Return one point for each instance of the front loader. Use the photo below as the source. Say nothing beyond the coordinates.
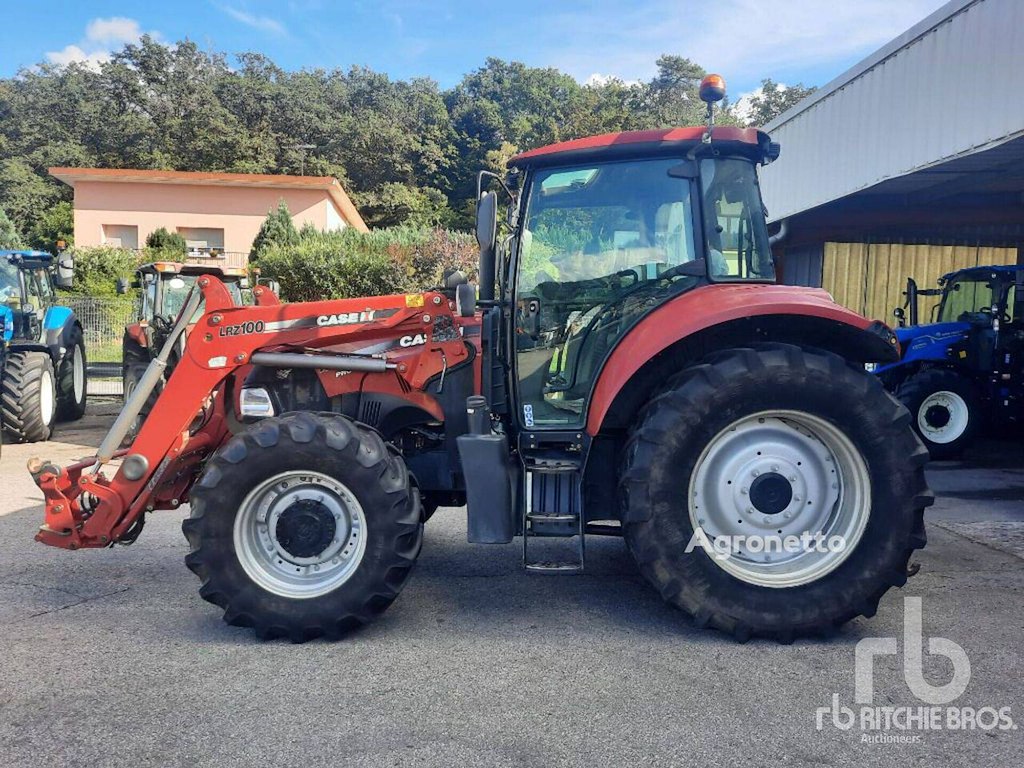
(626, 367)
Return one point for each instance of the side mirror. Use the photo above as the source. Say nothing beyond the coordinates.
(65, 276)
(486, 234)
(269, 283)
(900, 315)
(121, 286)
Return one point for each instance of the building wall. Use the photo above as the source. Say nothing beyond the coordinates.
(946, 88)
(870, 278)
(237, 210)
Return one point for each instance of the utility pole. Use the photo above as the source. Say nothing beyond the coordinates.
(302, 158)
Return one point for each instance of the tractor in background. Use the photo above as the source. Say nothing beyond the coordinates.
(627, 367)
(164, 287)
(964, 370)
(44, 379)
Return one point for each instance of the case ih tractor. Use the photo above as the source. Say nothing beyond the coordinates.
(165, 288)
(626, 367)
(966, 367)
(44, 379)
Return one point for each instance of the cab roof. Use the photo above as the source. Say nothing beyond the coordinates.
(18, 256)
(643, 143)
(1005, 271)
(178, 268)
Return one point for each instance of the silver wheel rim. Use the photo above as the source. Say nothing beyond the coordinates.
(77, 374)
(265, 558)
(954, 421)
(830, 496)
(46, 397)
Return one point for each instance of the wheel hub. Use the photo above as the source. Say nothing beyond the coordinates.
(306, 528)
(773, 476)
(300, 534)
(771, 493)
(937, 416)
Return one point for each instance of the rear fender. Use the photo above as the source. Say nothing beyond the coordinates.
(697, 323)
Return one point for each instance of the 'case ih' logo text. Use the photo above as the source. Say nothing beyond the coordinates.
(345, 318)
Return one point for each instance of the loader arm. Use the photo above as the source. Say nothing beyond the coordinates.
(190, 419)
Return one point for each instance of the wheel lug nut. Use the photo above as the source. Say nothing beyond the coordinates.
(775, 467)
(792, 479)
(756, 472)
(766, 519)
(743, 490)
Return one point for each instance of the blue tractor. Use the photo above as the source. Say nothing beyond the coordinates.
(44, 375)
(963, 370)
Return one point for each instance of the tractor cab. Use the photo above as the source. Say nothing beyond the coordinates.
(44, 378)
(165, 287)
(966, 366)
(611, 228)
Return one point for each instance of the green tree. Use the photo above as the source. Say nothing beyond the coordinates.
(9, 237)
(773, 100)
(53, 224)
(170, 242)
(277, 229)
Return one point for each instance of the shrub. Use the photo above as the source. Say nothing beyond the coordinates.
(9, 237)
(349, 263)
(277, 229)
(97, 269)
(162, 240)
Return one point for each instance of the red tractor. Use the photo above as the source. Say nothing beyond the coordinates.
(626, 367)
(164, 288)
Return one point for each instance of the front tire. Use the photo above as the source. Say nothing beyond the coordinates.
(71, 381)
(305, 525)
(28, 397)
(756, 444)
(946, 411)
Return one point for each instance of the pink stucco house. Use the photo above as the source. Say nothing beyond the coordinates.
(221, 211)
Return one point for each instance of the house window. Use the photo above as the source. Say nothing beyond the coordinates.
(202, 239)
(121, 235)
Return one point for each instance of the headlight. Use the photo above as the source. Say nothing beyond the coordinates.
(255, 402)
(870, 367)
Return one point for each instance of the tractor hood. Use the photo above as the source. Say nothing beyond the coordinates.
(929, 342)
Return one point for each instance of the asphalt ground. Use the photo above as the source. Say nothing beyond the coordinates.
(109, 657)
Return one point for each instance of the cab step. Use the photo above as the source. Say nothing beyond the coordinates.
(554, 510)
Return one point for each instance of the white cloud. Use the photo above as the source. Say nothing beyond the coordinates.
(744, 40)
(102, 36)
(263, 23)
(112, 31)
(597, 79)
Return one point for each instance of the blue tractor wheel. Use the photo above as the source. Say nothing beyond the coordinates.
(28, 396)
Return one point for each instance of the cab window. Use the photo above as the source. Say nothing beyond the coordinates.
(734, 225)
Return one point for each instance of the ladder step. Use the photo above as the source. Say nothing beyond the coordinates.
(553, 567)
(544, 517)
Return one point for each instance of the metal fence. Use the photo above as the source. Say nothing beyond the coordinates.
(103, 323)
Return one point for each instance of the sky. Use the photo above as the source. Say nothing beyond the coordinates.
(790, 41)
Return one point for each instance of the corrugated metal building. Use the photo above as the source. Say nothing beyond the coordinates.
(911, 163)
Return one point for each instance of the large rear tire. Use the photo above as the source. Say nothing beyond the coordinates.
(945, 409)
(305, 525)
(71, 380)
(766, 443)
(28, 397)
